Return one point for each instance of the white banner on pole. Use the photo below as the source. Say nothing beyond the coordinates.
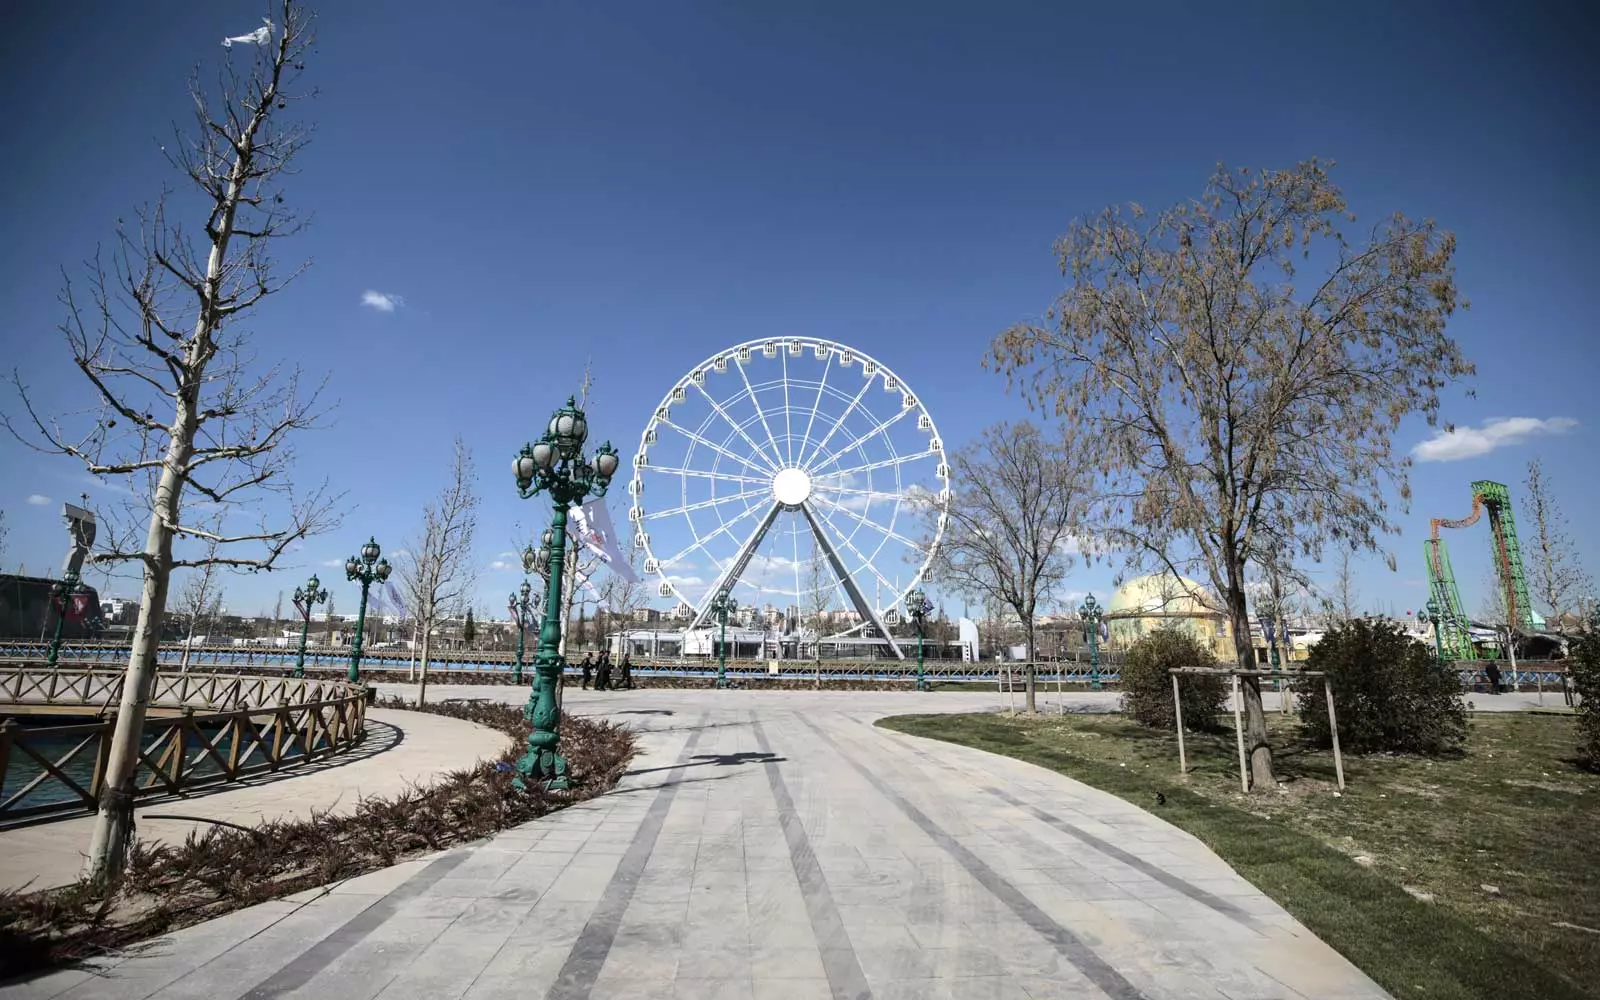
(595, 533)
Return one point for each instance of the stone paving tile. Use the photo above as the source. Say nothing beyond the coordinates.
(875, 862)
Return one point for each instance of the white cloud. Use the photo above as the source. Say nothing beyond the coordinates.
(500, 566)
(332, 563)
(386, 302)
(38, 499)
(687, 581)
(400, 553)
(1470, 442)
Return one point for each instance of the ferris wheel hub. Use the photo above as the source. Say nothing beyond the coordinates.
(791, 487)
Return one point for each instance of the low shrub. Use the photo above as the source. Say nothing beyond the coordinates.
(169, 886)
(1147, 687)
(1585, 666)
(1390, 692)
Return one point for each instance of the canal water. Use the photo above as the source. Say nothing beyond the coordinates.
(22, 769)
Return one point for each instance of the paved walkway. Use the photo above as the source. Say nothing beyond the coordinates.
(772, 845)
(401, 749)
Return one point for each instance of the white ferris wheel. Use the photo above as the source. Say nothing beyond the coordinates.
(795, 472)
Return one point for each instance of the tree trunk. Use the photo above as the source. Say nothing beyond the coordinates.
(1032, 674)
(1255, 737)
(108, 849)
(422, 689)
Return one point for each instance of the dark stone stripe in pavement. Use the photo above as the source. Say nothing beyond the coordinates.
(1067, 944)
(350, 933)
(839, 961)
(589, 952)
(1133, 861)
(1109, 849)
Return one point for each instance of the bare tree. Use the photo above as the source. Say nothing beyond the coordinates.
(4, 531)
(1011, 525)
(819, 583)
(1555, 574)
(440, 573)
(277, 613)
(1227, 396)
(200, 599)
(181, 407)
(620, 596)
(1340, 600)
(328, 619)
(1277, 595)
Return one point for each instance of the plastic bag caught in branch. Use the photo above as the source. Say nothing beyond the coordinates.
(260, 36)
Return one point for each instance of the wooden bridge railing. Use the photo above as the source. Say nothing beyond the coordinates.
(226, 729)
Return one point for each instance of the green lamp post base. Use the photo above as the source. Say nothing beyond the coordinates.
(541, 764)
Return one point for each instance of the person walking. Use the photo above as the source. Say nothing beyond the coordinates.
(1492, 674)
(588, 669)
(626, 680)
(602, 672)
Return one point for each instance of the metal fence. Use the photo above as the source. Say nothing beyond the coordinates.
(1075, 670)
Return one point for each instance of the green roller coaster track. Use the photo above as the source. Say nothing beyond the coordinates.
(1506, 552)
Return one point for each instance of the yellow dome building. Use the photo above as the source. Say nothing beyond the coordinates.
(1162, 600)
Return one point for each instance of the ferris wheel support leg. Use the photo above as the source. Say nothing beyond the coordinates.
(866, 610)
(735, 569)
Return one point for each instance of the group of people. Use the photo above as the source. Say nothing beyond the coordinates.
(600, 672)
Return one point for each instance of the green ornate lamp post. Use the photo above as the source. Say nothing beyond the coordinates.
(522, 608)
(61, 594)
(918, 606)
(1091, 613)
(304, 598)
(555, 465)
(1429, 615)
(722, 606)
(367, 569)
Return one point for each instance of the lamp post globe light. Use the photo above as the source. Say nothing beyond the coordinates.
(554, 465)
(522, 608)
(1429, 615)
(918, 606)
(367, 569)
(312, 593)
(722, 606)
(61, 594)
(1091, 613)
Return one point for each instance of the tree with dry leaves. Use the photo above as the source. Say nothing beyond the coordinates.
(1232, 397)
(439, 571)
(1555, 574)
(182, 412)
(1012, 525)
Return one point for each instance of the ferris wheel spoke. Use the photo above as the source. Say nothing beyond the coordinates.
(726, 477)
(734, 424)
(875, 526)
(788, 421)
(874, 494)
(700, 543)
(865, 388)
(869, 435)
(816, 404)
(817, 526)
(881, 464)
(756, 402)
(794, 536)
(703, 504)
(696, 438)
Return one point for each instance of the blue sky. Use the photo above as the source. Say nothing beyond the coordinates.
(645, 184)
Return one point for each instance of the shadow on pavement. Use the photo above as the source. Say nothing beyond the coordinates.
(720, 759)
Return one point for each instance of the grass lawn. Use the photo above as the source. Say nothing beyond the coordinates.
(1500, 837)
